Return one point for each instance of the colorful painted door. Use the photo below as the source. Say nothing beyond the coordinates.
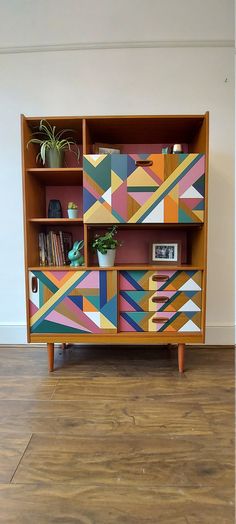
(73, 301)
(174, 306)
(142, 188)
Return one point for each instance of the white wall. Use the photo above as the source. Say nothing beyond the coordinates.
(119, 81)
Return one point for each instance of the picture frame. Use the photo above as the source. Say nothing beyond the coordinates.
(105, 149)
(166, 253)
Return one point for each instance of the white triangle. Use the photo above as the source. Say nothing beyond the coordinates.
(107, 196)
(189, 306)
(190, 326)
(156, 215)
(190, 285)
(94, 316)
(191, 192)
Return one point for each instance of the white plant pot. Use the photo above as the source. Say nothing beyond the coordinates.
(73, 213)
(108, 259)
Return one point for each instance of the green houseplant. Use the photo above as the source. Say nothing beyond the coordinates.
(106, 247)
(72, 210)
(52, 144)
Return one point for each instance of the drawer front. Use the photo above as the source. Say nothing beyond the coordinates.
(73, 301)
(180, 280)
(169, 322)
(185, 301)
(141, 188)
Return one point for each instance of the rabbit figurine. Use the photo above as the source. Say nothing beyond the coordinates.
(75, 256)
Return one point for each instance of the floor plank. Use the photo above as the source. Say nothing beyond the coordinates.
(116, 436)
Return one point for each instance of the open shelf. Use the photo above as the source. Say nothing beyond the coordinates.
(63, 176)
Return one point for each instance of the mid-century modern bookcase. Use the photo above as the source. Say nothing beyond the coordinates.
(151, 197)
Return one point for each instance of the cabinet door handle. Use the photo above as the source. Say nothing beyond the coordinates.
(159, 278)
(159, 299)
(34, 284)
(159, 320)
(143, 163)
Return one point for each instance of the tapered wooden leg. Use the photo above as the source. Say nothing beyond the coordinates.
(181, 348)
(50, 357)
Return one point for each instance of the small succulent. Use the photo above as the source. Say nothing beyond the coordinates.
(105, 242)
(72, 205)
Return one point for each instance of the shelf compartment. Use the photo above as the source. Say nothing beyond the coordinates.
(58, 177)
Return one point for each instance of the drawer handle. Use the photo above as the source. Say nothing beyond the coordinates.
(34, 284)
(159, 278)
(159, 320)
(143, 163)
(159, 299)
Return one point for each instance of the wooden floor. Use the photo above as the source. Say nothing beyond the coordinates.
(116, 435)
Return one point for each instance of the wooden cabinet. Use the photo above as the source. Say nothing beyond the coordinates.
(151, 197)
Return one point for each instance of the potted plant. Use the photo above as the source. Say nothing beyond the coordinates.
(52, 145)
(72, 210)
(106, 247)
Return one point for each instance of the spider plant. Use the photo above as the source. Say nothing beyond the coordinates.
(51, 142)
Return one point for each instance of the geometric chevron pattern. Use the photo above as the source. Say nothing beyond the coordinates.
(187, 322)
(176, 301)
(74, 302)
(118, 190)
(181, 280)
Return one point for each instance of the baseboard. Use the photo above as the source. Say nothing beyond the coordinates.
(215, 335)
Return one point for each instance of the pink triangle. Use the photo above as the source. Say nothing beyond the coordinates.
(124, 326)
(54, 316)
(140, 197)
(191, 203)
(125, 306)
(119, 200)
(33, 308)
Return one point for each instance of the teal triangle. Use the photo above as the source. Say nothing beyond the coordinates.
(52, 327)
(200, 206)
(101, 174)
(109, 310)
(190, 294)
(95, 300)
(137, 316)
(200, 185)
(136, 295)
(119, 165)
(183, 217)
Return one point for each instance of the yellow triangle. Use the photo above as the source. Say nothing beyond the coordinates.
(115, 181)
(139, 177)
(105, 323)
(98, 214)
(95, 160)
(199, 214)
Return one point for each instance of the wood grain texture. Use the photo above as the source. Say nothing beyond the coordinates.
(117, 438)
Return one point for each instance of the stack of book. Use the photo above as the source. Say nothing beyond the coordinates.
(54, 247)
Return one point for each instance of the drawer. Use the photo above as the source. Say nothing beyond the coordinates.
(169, 322)
(166, 280)
(160, 301)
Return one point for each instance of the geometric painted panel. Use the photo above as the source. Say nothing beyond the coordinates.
(74, 302)
(167, 301)
(117, 189)
(170, 322)
(160, 301)
(166, 280)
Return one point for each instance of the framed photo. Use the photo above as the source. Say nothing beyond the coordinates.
(105, 149)
(166, 253)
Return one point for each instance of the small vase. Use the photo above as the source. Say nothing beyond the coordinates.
(108, 259)
(54, 158)
(73, 213)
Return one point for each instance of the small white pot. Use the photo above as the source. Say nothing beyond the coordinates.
(108, 259)
(73, 213)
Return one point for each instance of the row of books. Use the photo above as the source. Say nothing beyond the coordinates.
(54, 247)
